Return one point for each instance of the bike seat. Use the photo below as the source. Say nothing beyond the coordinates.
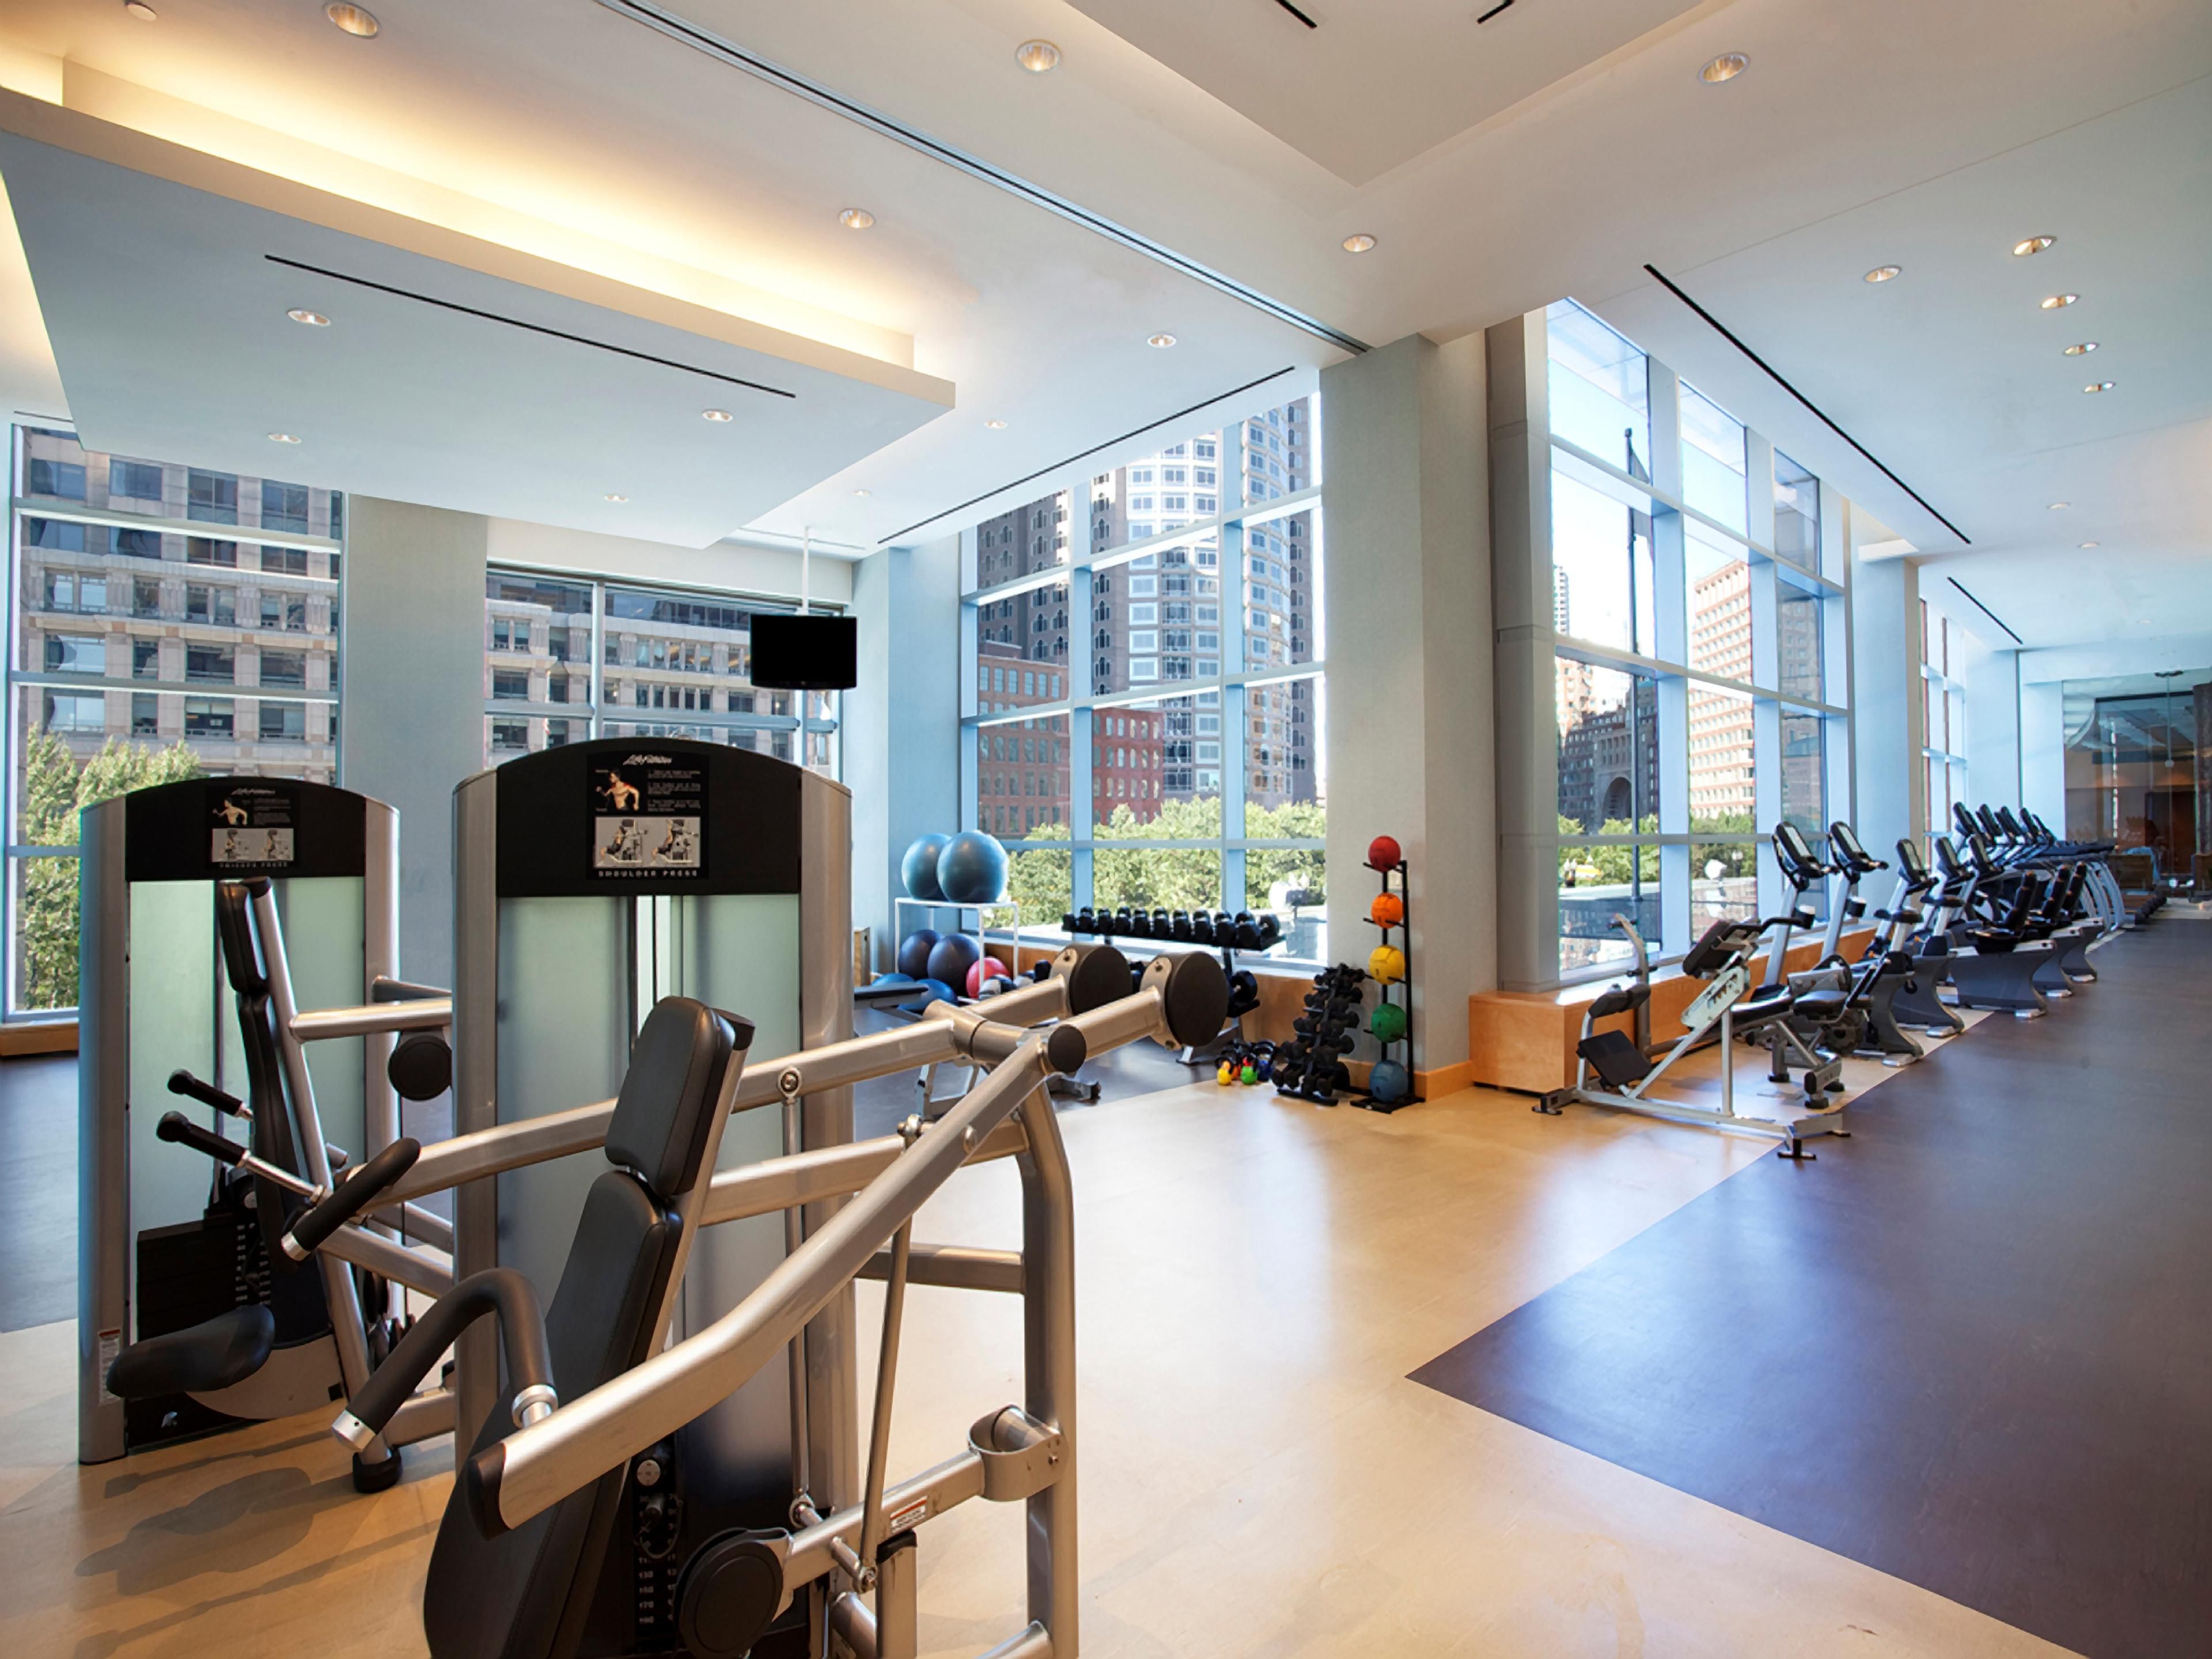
(210, 1355)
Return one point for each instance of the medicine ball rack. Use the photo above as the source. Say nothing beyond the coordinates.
(1400, 933)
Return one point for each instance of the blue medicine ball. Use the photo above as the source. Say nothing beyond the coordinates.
(952, 958)
(972, 868)
(919, 867)
(914, 951)
(1387, 1082)
(931, 990)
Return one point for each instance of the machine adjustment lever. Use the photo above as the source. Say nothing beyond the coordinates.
(176, 1127)
(184, 1083)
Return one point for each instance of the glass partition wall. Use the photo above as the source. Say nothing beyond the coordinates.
(1143, 686)
(1690, 581)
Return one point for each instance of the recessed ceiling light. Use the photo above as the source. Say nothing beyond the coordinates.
(2054, 301)
(2060, 507)
(2081, 350)
(2100, 385)
(2029, 245)
(1037, 57)
(1726, 67)
(1359, 242)
(2088, 545)
(282, 438)
(717, 415)
(354, 20)
(860, 492)
(312, 318)
(141, 11)
(996, 426)
(1885, 273)
(618, 500)
(856, 218)
(1161, 341)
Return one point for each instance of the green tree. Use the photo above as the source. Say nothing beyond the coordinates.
(55, 790)
(1040, 880)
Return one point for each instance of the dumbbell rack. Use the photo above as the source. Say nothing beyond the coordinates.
(1402, 929)
(1313, 1072)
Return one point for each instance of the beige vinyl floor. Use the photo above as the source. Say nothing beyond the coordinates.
(1255, 1278)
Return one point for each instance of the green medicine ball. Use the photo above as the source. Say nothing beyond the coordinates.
(1388, 1022)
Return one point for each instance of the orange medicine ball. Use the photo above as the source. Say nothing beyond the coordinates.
(1389, 910)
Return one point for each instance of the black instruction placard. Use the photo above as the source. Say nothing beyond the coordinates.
(253, 827)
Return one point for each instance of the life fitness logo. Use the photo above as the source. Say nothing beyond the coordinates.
(648, 760)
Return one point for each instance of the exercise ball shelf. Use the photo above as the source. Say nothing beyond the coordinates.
(1390, 965)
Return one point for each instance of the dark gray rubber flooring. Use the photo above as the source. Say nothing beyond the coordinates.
(1970, 1346)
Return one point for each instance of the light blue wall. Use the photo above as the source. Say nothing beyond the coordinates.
(411, 710)
(901, 724)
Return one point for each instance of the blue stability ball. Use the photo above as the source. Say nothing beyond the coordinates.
(930, 990)
(919, 867)
(914, 951)
(1387, 1082)
(972, 868)
(952, 958)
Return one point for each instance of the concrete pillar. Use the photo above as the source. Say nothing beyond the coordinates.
(1411, 727)
(901, 733)
(411, 722)
(1885, 708)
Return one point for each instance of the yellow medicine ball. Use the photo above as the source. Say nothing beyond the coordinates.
(1388, 963)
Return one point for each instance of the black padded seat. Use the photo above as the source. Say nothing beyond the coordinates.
(1766, 1003)
(210, 1355)
(1821, 1004)
(526, 1593)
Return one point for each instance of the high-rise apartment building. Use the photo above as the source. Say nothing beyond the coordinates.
(159, 603)
(1021, 766)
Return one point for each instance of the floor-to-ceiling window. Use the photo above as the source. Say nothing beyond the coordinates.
(167, 621)
(1144, 705)
(569, 656)
(1943, 717)
(1698, 614)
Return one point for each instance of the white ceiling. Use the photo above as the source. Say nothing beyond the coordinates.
(1858, 131)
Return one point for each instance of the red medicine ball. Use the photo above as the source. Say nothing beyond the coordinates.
(1383, 854)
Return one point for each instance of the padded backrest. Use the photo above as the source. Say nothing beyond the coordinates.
(1713, 951)
(666, 1109)
(271, 1137)
(524, 1594)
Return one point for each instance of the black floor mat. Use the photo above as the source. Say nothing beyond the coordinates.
(1970, 1346)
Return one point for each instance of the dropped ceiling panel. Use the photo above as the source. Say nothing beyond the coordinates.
(455, 373)
(1374, 83)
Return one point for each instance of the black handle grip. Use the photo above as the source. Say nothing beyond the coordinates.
(184, 1083)
(502, 1290)
(176, 1127)
(354, 1195)
(400, 990)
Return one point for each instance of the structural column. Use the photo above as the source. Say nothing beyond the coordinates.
(1410, 751)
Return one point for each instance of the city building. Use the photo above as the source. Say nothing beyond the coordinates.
(1720, 737)
(1022, 766)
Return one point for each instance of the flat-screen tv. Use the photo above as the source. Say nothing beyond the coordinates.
(805, 653)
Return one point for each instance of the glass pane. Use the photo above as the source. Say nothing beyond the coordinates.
(1292, 881)
(1183, 483)
(45, 930)
(1156, 768)
(1722, 794)
(1597, 883)
(1724, 882)
(1600, 389)
(1031, 625)
(1608, 724)
(1151, 617)
(1796, 514)
(1712, 459)
(1804, 772)
(1719, 575)
(1282, 597)
(1277, 450)
(1155, 879)
(1022, 775)
(1797, 642)
(1038, 880)
(1601, 583)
